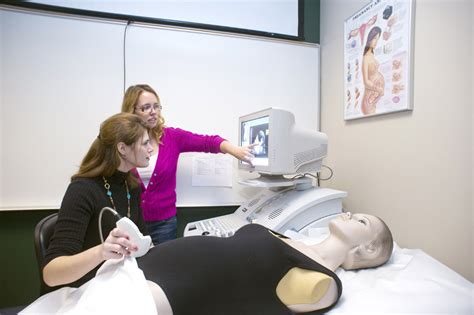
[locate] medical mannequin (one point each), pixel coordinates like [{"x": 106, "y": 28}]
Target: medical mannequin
[{"x": 355, "y": 241}]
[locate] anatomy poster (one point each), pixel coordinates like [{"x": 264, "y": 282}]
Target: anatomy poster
[{"x": 377, "y": 59}]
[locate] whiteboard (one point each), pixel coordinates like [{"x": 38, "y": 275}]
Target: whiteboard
[{"x": 62, "y": 76}]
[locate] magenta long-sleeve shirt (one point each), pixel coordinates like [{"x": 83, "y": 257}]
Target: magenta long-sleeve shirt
[{"x": 158, "y": 199}]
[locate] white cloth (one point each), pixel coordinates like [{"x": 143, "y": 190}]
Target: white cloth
[{"x": 119, "y": 287}]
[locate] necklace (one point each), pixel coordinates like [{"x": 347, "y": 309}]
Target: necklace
[{"x": 109, "y": 193}]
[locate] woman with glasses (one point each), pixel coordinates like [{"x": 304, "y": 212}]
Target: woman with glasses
[{"x": 158, "y": 180}]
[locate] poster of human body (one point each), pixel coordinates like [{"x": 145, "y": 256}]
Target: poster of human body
[{"x": 378, "y": 59}]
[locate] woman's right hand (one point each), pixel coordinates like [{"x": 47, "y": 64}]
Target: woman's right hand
[
  {"x": 67, "y": 269},
  {"x": 117, "y": 244}
]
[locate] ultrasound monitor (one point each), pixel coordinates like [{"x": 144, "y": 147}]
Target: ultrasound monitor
[{"x": 281, "y": 147}]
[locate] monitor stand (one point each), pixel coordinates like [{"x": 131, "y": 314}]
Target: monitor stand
[{"x": 278, "y": 182}]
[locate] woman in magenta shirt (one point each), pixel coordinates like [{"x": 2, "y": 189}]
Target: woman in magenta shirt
[{"x": 158, "y": 200}]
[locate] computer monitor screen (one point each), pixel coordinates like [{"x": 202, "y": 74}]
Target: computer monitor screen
[
  {"x": 256, "y": 131},
  {"x": 281, "y": 147}
]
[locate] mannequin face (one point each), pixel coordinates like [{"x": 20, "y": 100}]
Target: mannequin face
[{"x": 355, "y": 229}]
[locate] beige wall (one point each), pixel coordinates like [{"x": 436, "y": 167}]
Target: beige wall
[{"x": 413, "y": 169}]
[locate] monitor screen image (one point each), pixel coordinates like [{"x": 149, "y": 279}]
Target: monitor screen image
[{"x": 256, "y": 132}]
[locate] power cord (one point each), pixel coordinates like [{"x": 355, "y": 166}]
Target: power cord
[
  {"x": 317, "y": 176},
  {"x": 330, "y": 176},
  {"x": 115, "y": 213}
]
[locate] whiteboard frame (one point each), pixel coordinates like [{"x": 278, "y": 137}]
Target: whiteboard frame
[{"x": 161, "y": 21}]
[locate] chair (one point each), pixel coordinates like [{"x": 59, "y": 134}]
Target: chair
[{"x": 43, "y": 232}]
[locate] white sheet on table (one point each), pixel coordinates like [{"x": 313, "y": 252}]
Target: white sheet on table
[
  {"x": 119, "y": 287},
  {"x": 411, "y": 282}
]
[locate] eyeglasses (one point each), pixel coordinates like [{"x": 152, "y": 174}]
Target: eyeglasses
[{"x": 147, "y": 107}]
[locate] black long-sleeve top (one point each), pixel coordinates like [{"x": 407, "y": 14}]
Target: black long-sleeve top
[{"x": 77, "y": 227}]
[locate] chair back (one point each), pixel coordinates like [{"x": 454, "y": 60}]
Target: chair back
[{"x": 43, "y": 232}]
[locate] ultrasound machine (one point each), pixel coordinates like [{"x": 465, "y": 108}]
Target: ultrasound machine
[{"x": 289, "y": 200}]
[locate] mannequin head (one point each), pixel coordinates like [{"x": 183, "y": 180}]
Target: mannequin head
[{"x": 367, "y": 237}]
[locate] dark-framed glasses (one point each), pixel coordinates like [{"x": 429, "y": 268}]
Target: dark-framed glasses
[{"x": 146, "y": 108}]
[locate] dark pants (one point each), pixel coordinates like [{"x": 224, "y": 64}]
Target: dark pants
[{"x": 162, "y": 231}]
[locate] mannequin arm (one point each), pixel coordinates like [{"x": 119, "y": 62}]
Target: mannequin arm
[{"x": 306, "y": 290}]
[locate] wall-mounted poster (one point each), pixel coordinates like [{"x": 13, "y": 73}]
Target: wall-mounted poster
[{"x": 378, "y": 42}]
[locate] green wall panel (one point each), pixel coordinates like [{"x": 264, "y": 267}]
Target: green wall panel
[{"x": 19, "y": 274}]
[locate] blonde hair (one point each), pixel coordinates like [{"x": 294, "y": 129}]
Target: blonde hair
[
  {"x": 129, "y": 104},
  {"x": 103, "y": 157}
]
